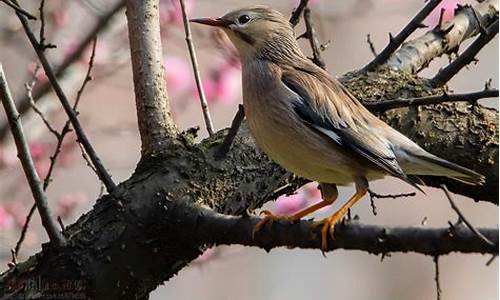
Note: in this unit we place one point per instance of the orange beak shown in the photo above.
(219, 22)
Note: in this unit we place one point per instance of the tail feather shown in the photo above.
(452, 170)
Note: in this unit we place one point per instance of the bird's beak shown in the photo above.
(219, 22)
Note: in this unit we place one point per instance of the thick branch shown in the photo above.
(458, 131)
(153, 108)
(418, 53)
(27, 162)
(207, 226)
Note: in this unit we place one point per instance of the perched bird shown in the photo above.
(307, 122)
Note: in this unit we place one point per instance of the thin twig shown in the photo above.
(313, 40)
(464, 219)
(57, 150)
(392, 196)
(29, 92)
(23, 103)
(395, 42)
(231, 134)
(82, 137)
(204, 106)
(401, 102)
(22, 236)
(441, 15)
(19, 10)
(86, 158)
(491, 260)
(41, 9)
(373, 206)
(28, 164)
(88, 76)
(370, 44)
(436, 277)
(468, 56)
(294, 19)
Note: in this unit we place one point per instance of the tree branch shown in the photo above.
(310, 34)
(462, 218)
(231, 134)
(402, 102)
(396, 41)
(27, 163)
(24, 103)
(82, 137)
(458, 131)
(194, 62)
(156, 125)
(297, 12)
(19, 10)
(466, 57)
(207, 226)
(418, 53)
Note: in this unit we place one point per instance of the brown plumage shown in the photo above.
(306, 121)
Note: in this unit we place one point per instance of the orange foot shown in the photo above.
(328, 226)
(269, 218)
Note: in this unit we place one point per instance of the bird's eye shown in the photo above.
(243, 19)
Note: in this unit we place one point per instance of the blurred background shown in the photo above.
(107, 111)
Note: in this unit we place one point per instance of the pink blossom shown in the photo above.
(6, 219)
(449, 6)
(229, 85)
(38, 150)
(178, 75)
(287, 205)
(42, 167)
(207, 255)
(170, 11)
(60, 17)
(40, 76)
(223, 83)
(311, 192)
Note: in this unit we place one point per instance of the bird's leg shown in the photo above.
(330, 222)
(329, 194)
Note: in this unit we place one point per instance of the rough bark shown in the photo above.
(462, 132)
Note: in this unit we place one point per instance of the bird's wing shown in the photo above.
(325, 106)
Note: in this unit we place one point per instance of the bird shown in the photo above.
(304, 119)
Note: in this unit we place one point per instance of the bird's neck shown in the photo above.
(280, 49)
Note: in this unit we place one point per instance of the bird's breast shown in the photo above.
(288, 141)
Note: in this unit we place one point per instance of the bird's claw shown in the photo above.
(328, 226)
(269, 217)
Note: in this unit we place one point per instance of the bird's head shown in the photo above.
(255, 28)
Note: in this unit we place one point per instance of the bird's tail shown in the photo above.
(433, 165)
